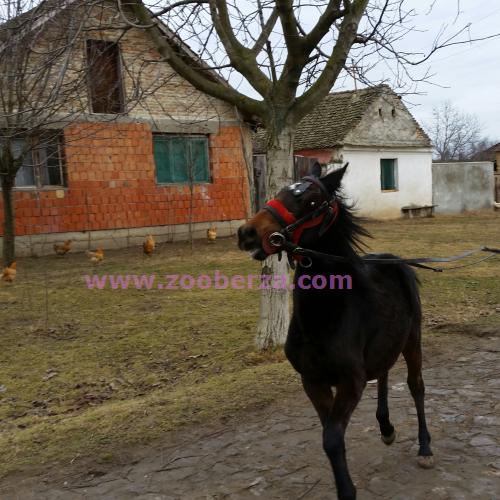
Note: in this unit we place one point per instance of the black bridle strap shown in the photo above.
(414, 262)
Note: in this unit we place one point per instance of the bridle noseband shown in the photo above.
(291, 227)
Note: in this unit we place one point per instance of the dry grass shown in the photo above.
(84, 372)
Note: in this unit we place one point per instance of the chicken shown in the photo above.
(64, 248)
(211, 233)
(96, 257)
(9, 272)
(149, 245)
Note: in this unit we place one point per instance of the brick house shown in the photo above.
(125, 167)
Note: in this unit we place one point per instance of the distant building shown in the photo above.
(389, 155)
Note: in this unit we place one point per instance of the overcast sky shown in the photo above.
(469, 73)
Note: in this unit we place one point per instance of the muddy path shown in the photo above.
(276, 453)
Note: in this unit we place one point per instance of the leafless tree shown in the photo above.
(480, 150)
(453, 132)
(282, 58)
(50, 77)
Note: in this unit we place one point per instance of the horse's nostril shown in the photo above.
(247, 235)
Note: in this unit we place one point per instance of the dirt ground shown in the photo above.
(275, 452)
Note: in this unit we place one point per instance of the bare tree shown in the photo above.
(481, 150)
(54, 72)
(453, 132)
(282, 58)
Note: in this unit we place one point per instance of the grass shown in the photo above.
(84, 372)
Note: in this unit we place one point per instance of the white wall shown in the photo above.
(362, 180)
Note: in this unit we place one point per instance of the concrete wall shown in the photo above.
(42, 244)
(362, 180)
(462, 186)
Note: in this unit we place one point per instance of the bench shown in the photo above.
(412, 211)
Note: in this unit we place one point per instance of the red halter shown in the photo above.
(295, 227)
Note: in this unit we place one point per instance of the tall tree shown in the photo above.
(288, 54)
(454, 133)
(50, 77)
(40, 93)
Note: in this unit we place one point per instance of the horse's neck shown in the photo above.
(336, 242)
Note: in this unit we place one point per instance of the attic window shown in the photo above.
(105, 79)
(393, 112)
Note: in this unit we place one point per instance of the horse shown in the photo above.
(342, 337)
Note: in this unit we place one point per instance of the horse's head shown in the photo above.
(302, 212)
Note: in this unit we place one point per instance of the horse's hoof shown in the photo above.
(426, 462)
(388, 439)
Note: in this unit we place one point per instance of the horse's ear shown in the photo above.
(315, 170)
(333, 180)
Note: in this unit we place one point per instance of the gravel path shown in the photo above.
(276, 453)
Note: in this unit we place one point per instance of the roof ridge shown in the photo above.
(364, 90)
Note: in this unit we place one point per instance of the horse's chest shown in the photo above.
(315, 361)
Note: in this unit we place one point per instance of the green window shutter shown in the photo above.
(199, 154)
(179, 154)
(387, 174)
(161, 155)
(180, 159)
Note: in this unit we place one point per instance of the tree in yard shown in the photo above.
(287, 55)
(40, 93)
(454, 134)
(55, 71)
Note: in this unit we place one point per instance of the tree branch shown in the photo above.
(199, 80)
(320, 88)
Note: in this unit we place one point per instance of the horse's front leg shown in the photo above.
(334, 414)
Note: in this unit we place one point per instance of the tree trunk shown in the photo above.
(8, 224)
(274, 302)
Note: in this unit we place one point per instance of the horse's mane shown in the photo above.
(349, 225)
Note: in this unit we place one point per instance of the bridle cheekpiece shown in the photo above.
(291, 227)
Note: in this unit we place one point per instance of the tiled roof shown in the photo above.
(330, 122)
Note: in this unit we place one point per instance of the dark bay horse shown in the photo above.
(343, 338)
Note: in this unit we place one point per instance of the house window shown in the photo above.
(388, 174)
(42, 162)
(181, 159)
(104, 76)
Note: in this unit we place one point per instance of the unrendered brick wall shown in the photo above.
(111, 184)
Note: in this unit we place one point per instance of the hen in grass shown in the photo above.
(211, 234)
(149, 245)
(96, 257)
(64, 248)
(9, 272)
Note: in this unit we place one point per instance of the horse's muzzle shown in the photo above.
(249, 240)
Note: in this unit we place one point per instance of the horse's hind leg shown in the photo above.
(387, 432)
(413, 357)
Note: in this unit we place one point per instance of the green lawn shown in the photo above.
(87, 372)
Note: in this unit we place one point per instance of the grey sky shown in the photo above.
(470, 73)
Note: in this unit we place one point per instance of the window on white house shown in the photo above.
(42, 162)
(388, 174)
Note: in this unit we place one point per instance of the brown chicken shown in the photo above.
(64, 248)
(96, 257)
(149, 245)
(9, 272)
(211, 234)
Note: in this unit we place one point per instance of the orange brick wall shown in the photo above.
(111, 184)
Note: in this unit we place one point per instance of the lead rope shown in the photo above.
(278, 240)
